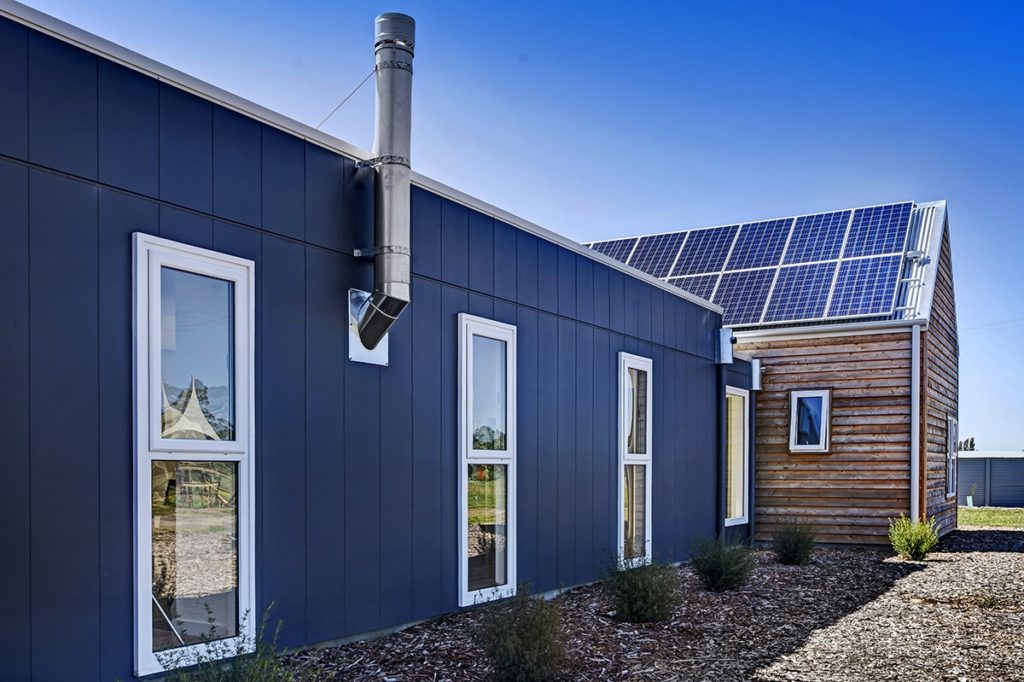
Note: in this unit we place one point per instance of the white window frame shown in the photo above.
(745, 395)
(826, 419)
(952, 455)
(628, 361)
(470, 326)
(150, 254)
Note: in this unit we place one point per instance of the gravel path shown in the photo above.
(853, 614)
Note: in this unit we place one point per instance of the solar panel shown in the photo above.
(698, 285)
(817, 237)
(866, 287)
(655, 255)
(742, 295)
(619, 249)
(878, 230)
(705, 251)
(760, 244)
(800, 293)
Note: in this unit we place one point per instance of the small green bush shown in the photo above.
(913, 539)
(643, 594)
(793, 543)
(723, 564)
(523, 638)
(243, 659)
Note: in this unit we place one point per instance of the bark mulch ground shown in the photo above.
(853, 614)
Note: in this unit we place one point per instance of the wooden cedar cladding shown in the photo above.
(940, 379)
(850, 493)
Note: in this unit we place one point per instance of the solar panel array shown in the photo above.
(826, 266)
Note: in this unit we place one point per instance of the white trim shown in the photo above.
(826, 331)
(149, 253)
(470, 326)
(915, 424)
(826, 419)
(952, 454)
(108, 50)
(745, 395)
(628, 361)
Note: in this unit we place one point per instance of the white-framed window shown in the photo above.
(487, 460)
(635, 408)
(194, 410)
(952, 445)
(810, 414)
(737, 455)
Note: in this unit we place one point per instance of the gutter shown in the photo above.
(915, 424)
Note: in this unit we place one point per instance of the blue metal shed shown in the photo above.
(994, 478)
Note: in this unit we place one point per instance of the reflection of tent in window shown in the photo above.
(189, 423)
(808, 421)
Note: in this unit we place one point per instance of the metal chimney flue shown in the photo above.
(394, 42)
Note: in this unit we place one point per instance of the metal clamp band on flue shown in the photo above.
(394, 43)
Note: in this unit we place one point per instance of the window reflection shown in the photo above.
(489, 429)
(195, 552)
(196, 356)
(488, 525)
(636, 409)
(635, 511)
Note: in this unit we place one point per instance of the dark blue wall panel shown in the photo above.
(129, 132)
(61, 79)
(284, 183)
(186, 149)
(236, 167)
(64, 401)
(326, 176)
(281, 421)
(481, 253)
(427, 455)
(15, 535)
(357, 465)
(14, 86)
(326, 331)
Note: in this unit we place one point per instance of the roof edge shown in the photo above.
(819, 331)
(45, 23)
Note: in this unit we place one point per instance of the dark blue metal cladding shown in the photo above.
(878, 230)
(655, 255)
(817, 237)
(760, 245)
(705, 251)
(356, 504)
(800, 293)
(866, 287)
(743, 295)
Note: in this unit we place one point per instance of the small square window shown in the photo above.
(809, 420)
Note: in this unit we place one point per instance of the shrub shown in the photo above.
(793, 543)
(643, 594)
(723, 564)
(523, 638)
(913, 539)
(245, 659)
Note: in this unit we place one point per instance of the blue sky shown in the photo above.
(604, 119)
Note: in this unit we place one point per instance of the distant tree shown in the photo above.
(966, 445)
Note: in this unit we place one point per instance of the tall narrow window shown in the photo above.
(487, 452)
(737, 449)
(809, 416)
(634, 459)
(952, 454)
(193, 454)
